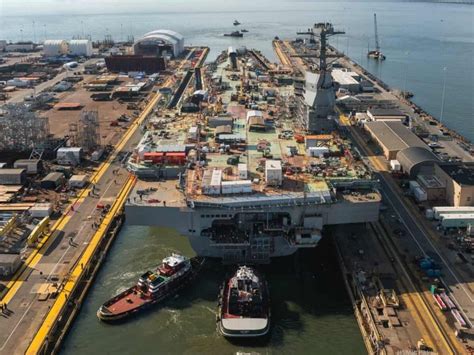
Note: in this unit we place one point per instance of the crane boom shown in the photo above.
(377, 46)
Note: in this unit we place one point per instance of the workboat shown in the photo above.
(173, 274)
(234, 34)
(244, 305)
(236, 23)
(244, 30)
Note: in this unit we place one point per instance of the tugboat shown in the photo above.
(173, 274)
(236, 23)
(244, 305)
(234, 34)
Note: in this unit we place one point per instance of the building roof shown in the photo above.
(414, 157)
(386, 112)
(169, 33)
(461, 173)
(227, 129)
(394, 135)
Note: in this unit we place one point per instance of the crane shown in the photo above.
(376, 54)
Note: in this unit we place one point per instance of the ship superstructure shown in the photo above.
(242, 178)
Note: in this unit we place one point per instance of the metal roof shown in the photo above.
(462, 174)
(394, 135)
(169, 33)
(412, 158)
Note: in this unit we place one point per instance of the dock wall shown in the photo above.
(69, 299)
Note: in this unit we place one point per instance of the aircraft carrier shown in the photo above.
(248, 165)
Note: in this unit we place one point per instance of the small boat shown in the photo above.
(236, 23)
(234, 34)
(172, 275)
(244, 30)
(244, 309)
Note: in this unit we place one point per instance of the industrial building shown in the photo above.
(80, 47)
(392, 137)
(459, 181)
(159, 43)
(52, 180)
(345, 79)
(386, 114)
(55, 47)
(416, 160)
(20, 47)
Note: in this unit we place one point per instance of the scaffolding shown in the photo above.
(88, 131)
(21, 129)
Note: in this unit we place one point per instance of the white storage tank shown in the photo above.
(80, 47)
(54, 47)
(273, 172)
(243, 171)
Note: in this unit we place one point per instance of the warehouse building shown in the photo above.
(80, 47)
(345, 79)
(55, 47)
(417, 160)
(459, 181)
(386, 114)
(392, 137)
(160, 43)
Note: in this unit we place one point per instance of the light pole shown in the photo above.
(34, 31)
(445, 69)
(406, 72)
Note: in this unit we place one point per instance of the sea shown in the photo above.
(429, 48)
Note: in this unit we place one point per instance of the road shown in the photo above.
(19, 96)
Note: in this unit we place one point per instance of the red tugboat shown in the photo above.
(153, 286)
(244, 305)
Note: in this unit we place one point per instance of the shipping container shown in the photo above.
(243, 171)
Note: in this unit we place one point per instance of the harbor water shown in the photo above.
(428, 45)
(311, 312)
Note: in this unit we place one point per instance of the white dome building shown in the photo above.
(80, 47)
(54, 47)
(160, 42)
